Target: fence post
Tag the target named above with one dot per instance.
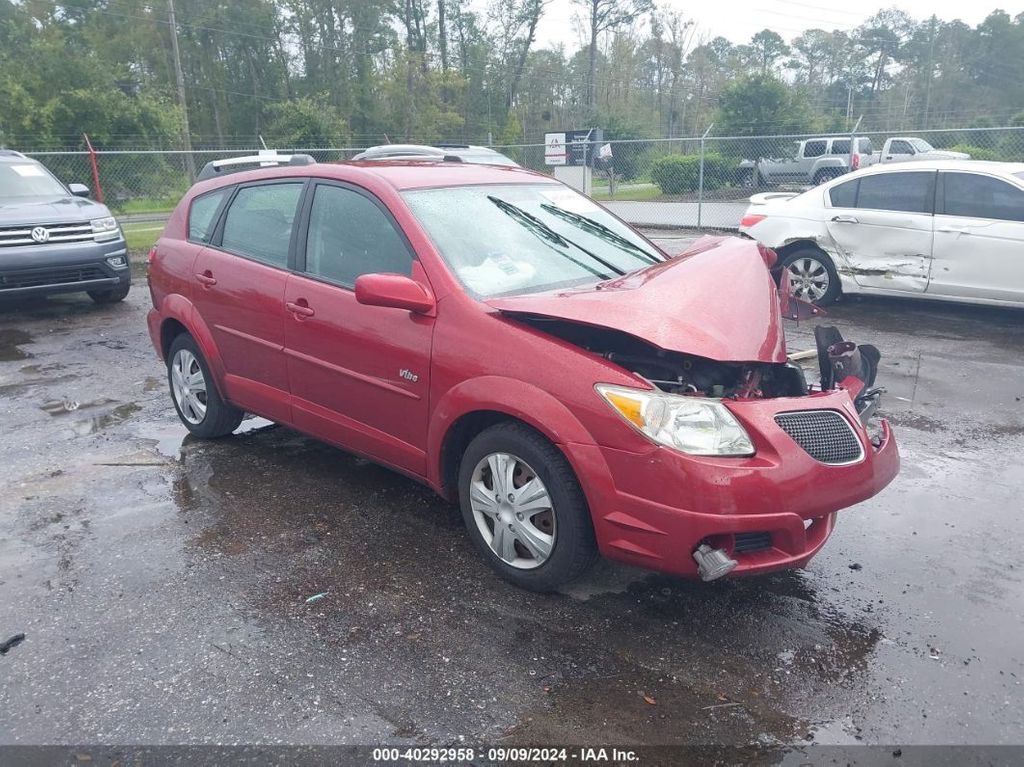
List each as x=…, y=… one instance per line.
x=700, y=177
x=95, y=169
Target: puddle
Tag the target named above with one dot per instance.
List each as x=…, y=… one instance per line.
x=68, y=405
x=152, y=384
x=11, y=339
x=100, y=422
x=169, y=437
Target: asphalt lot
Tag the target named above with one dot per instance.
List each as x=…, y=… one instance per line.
x=161, y=581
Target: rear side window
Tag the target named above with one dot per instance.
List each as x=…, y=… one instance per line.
x=864, y=146
x=907, y=192
x=202, y=213
x=349, y=235
x=258, y=223
x=968, y=194
x=840, y=146
x=900, y=147
x=844, y=195
x=814, y=148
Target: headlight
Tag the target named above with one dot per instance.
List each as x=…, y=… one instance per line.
x=694, y=425
x=105, y=229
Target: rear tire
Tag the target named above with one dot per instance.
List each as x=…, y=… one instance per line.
x=531, y=525
x=194, y=394
x=813, y=276
x=826, y=175
x=102, y=297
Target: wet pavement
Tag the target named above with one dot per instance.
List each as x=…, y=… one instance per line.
x=162, y=582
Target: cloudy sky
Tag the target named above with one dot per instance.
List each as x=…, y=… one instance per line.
x=737, y=20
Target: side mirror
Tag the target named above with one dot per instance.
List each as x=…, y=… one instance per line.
x=395, y=291
x=79, y=190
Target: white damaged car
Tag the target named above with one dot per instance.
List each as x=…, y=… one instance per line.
x=944, y=229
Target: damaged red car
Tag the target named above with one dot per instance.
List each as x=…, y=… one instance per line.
x=511, y=344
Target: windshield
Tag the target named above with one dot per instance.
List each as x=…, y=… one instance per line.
x=921, y=145
x=26, y=181
x=501, y=240
x=484, y=158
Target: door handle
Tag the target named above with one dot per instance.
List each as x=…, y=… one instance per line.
x=844, y=220
x=206, y=278
x=301, y=309
x=955, y=229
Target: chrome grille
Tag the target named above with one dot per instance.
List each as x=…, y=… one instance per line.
x=56, y=275
x=11, y=236
x=825, y=435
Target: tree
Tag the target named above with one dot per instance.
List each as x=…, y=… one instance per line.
x=602, y=16
x=767, y=47
x=761, y=105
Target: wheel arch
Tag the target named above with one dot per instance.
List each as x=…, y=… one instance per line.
x=180, y=316
x=476, y=404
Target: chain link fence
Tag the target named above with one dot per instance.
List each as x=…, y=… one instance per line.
x=681, y=182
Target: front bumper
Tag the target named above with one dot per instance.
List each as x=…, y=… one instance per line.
x=62, y=268
x=652, y=509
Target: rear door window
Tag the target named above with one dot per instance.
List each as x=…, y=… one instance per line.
x=975, y=196
x=840, y=146
x=814, y=148
x=906, y=192
x=202, y=215
x=844, y=195
x=258, y=222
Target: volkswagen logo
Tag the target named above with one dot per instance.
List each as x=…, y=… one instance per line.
x=40, y=234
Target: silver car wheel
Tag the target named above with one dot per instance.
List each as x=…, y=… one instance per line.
x=188, y=386
x=809, y=279
x=513, y=510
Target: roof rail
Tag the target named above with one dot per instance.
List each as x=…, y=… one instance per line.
x=265, y=159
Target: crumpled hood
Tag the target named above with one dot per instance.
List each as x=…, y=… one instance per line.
x=715, y=300
x=60, y=210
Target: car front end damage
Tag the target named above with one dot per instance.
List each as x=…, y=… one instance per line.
x=744, y=464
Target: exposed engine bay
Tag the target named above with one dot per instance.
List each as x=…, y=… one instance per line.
x=679, y=373
x=687, y=374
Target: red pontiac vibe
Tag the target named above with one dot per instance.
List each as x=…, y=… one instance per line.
x=506, y=341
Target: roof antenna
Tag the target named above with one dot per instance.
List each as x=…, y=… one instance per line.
x=386, y=139
x=262, y=142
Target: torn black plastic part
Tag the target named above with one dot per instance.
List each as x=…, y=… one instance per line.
x=867, y=403
x=839, y=359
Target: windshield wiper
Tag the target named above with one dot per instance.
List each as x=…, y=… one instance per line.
x=533, y=223
x=598, y=229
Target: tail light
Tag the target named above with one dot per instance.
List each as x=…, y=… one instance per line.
x=855, y=161
x=751, y=218
x=151, y=255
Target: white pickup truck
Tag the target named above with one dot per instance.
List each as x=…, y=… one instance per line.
x=818, y=160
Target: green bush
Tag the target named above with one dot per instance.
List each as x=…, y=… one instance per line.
x=977, y=152
x=680, y=173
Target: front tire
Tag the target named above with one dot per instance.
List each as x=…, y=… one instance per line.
x=195, y=397
x=524, y=509
x=113, y=296
x=813, y=276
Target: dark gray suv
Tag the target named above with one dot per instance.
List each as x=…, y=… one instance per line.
x=53, y=239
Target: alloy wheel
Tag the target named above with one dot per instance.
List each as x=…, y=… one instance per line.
x=513, y=510
x=809, y=279
x=188, y=386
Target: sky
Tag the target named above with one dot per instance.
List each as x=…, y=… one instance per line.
x=738, y=20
